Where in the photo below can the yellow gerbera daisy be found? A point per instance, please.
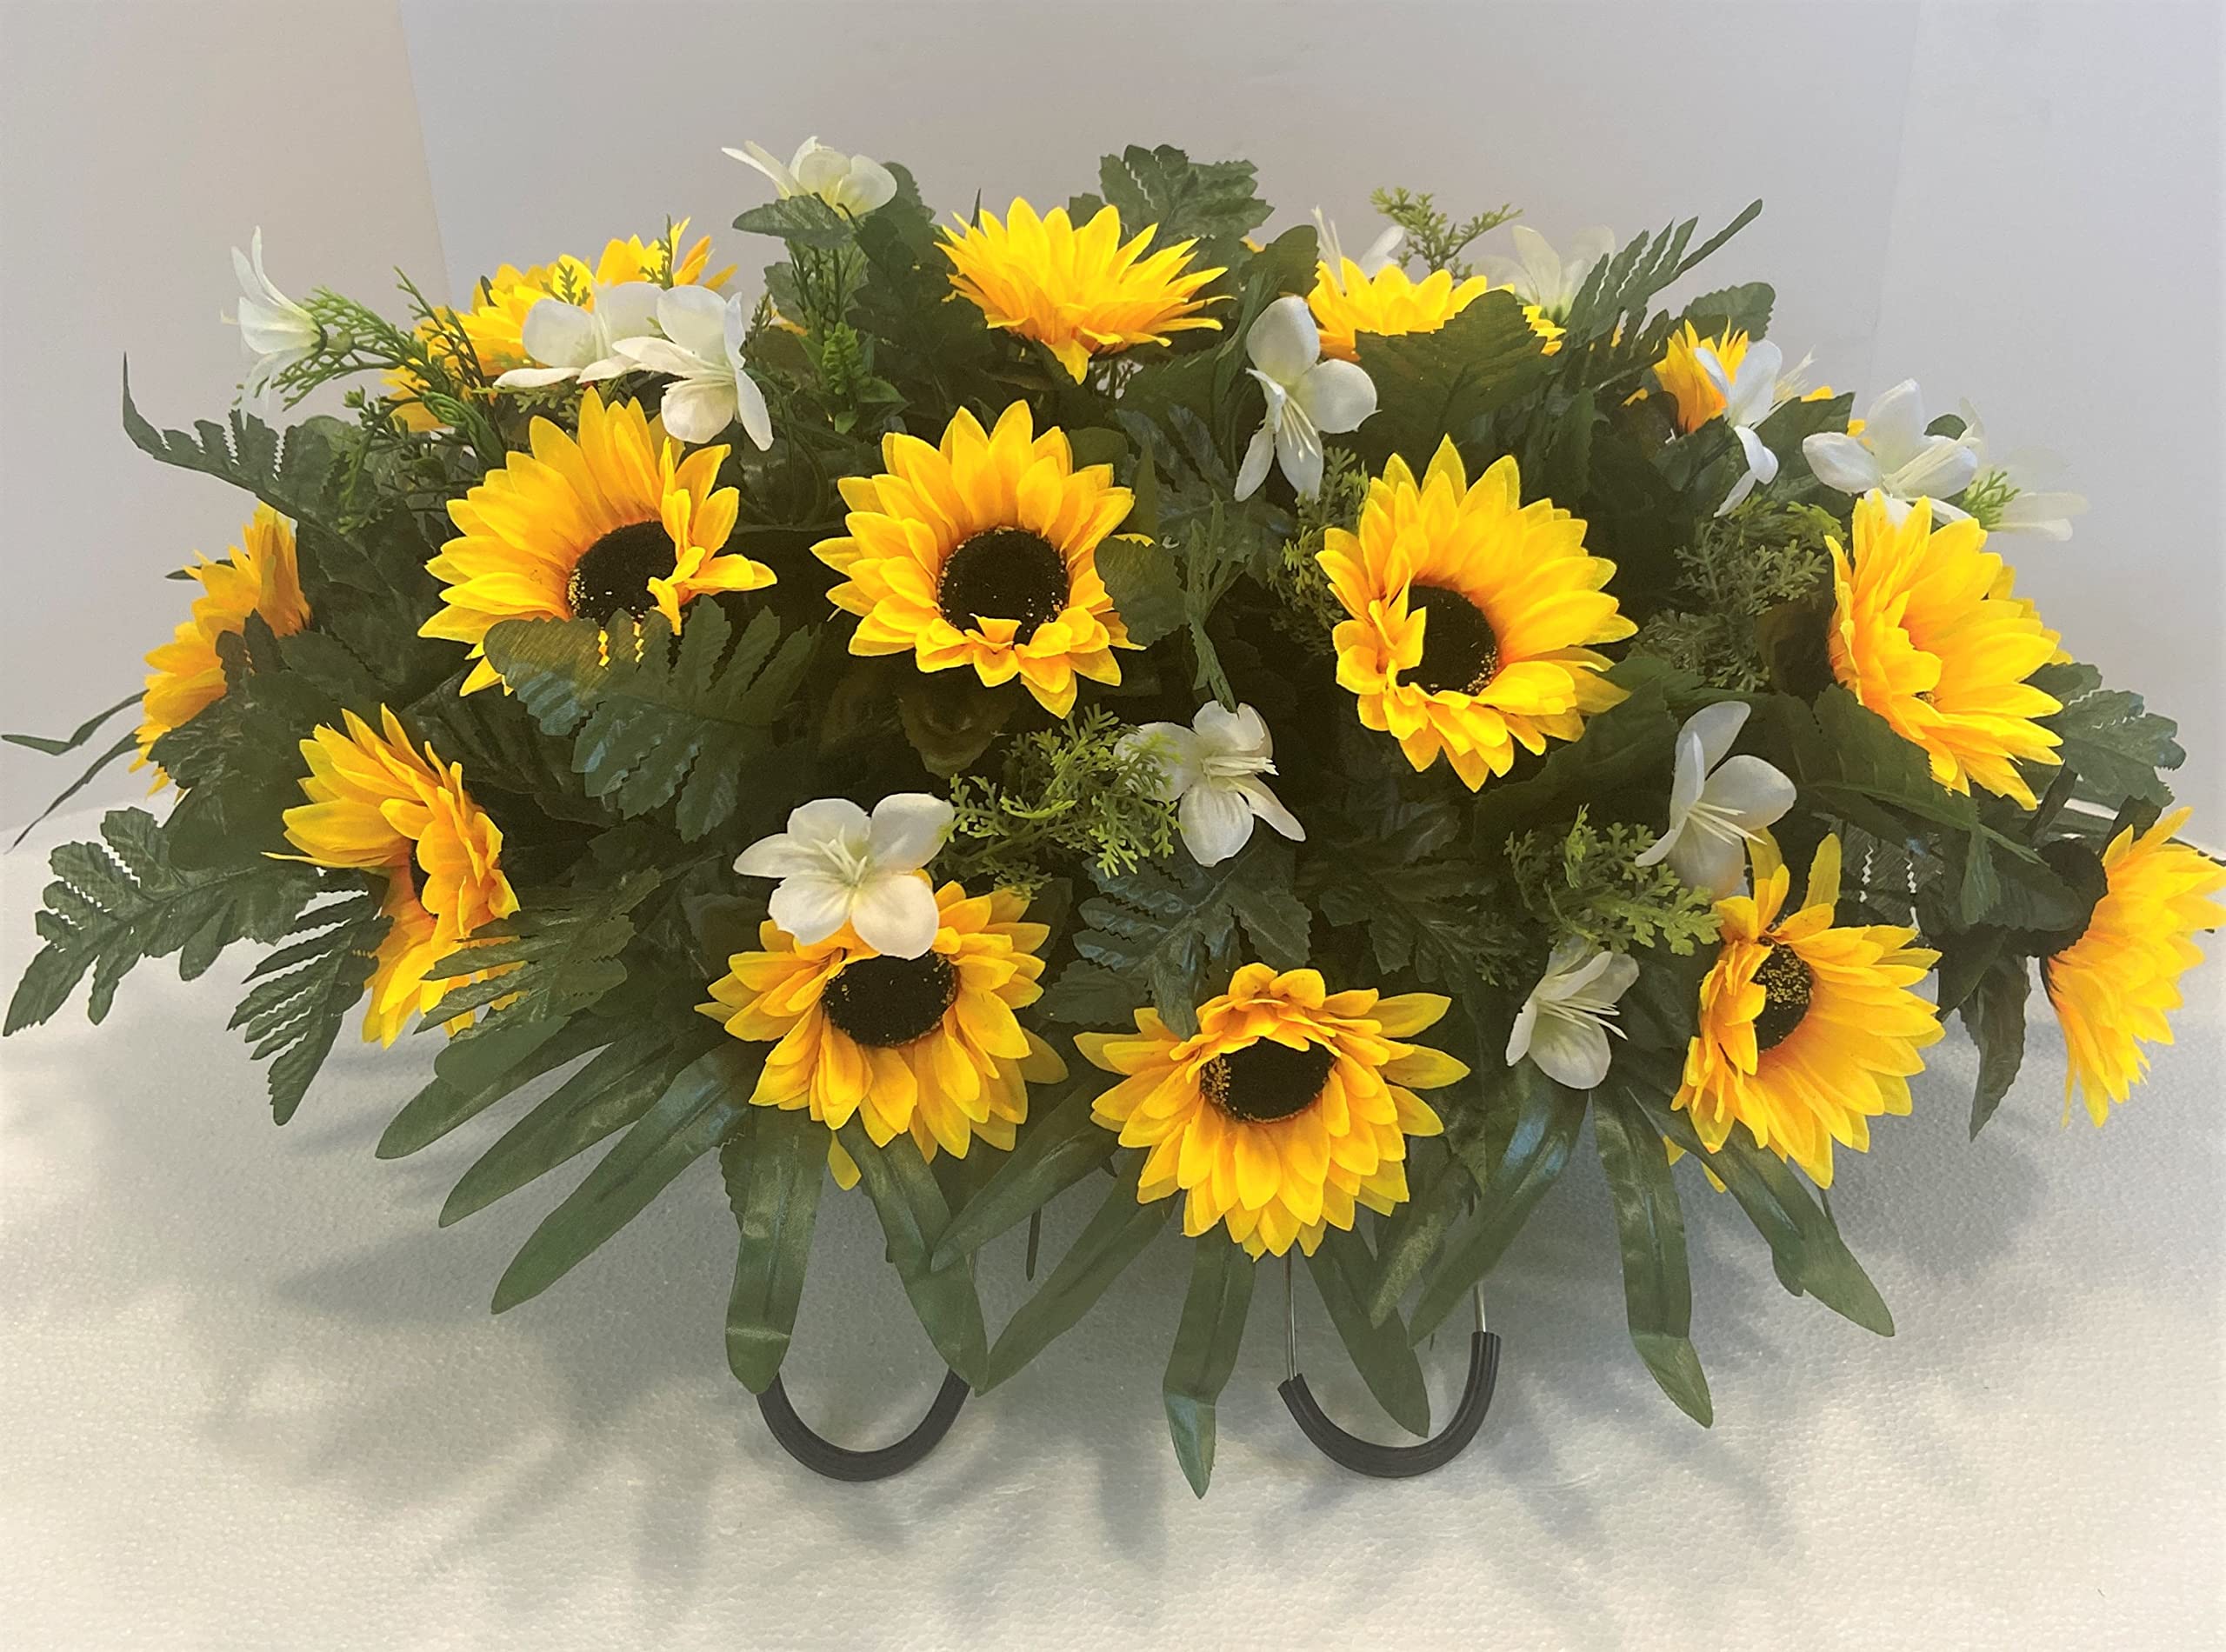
(983, 552)
(1927, 634)
(496, 321)
(2112, 985)
(1288, 1105)
(580, 528)
(1079, 293)
(927, 1045)
(377, 805)
(1680, 373)
(1346, 303)
(1472, 616)
(260, 576)
(1808, 1031)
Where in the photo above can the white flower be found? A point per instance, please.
(2001, 503)
(1896, 456)
(575, 342)
(702, 351)
(838, 865)
(1717, 803)
(1382, 252)
(1564, 1024)
(1214, 768)
(1540, 276)
(1751, 396)
(851, 183)
(1308, 397)
(273, 330)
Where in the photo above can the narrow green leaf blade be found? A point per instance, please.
(1651, 1229)
(1343, 1268)
(913, 1217)
(1205, 1355)
(1114, 1237)
(774, 1169)
(1058, 1151)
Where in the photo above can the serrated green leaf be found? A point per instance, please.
(1430, 386)
(1146, 588)
(1650, 1231)
(298, 997)
(2109, 738)
(1113, 1238)
(1993, 1014)
(1205, 1355)
(1184, 199)
(774, 1170)
(800, 220)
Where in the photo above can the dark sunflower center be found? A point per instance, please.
(615, 572)
(887, 1001)
(1264, 1081)
(1007, 573)
(1787, 984)
(1460, 651)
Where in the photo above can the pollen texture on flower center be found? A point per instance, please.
(615, 571)
(1266, 1081)
(1460, 651)
(887, 1001)
(1007, 573)
(1787, 983)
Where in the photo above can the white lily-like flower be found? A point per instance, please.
(1308, 397)
(1382, 252)
(579, 343)
(1540, 276)
(839, 865)
(852, 183)
(1717, 803)
(1749, 397)
(1564, 1024)
(2002, 501)
(1213, 768)
(700, 350)
(1894, 455)
(273, 330)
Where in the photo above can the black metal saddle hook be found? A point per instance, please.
(823, 1456)
(1387, 1461)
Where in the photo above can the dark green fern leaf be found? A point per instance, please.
(299, 995)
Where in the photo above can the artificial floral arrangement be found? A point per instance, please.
(1115, 696)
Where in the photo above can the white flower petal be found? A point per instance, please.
(1298, 450)
(1840, 461)
(779, 856)
(1712, 864)
(1542, 266)
(1284, 341)
(1269, 808)
(1572, 1051)
(1689, 777)
(784, 180)
(908, 828)
(1757, 793)
(831, 823)
(870, 184)
(1519, 1036)
(693, 317)
(629, 309)
(660, 355)
(1941, 469)
(1217, 821)
(1755, 382)
(896, 916)
(750, 406)
(1174, 750)
(561, 334)
(810, 906)
(529, 378)
(1618, 978)
(1223, 733)
(696, 410)
(1259, 455)
(1712, 368)
(1336, 396)
(1894, 425)
(1718, 729)
(1382, 252)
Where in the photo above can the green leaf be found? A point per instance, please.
(1650, 1227)
(93, 771)
(298, 997)
(1159, 934)
(1545, 1129)
(696, 1113)
(2116, 746)
(620, 1084)
(1744, 309)
(1146, 588)
(656, 722)
(1114, 1237)
(1994, 1013)
(556, 958)
(1434, 385)
(913, 1217)
(1056, 1150)
(1616, 295)
(124, 899)
(295, 474)
(1414, 1235)
(474, 1072)
(1342, 1270)
(774, 1170)
(84, 732)
(1206, 1343)
(1185, 199)
(800, 220)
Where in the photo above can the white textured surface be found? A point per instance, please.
(253, 1399)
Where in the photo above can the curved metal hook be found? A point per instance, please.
(823, 1456)
(1387, 1461)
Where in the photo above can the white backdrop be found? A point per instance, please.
(252, 1397)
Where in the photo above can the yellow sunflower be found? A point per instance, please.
(496, 321)
(983, 552)
(580, 528)
(2112, 985)
(1387, 304)
(1808, 1031)
(260, 576)
(928, 1046)
(377, 805)
(1288, 1105)
(1927, 634)
(1473, 615)
(1079, 293)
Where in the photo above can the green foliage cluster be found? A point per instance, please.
(627, 764)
